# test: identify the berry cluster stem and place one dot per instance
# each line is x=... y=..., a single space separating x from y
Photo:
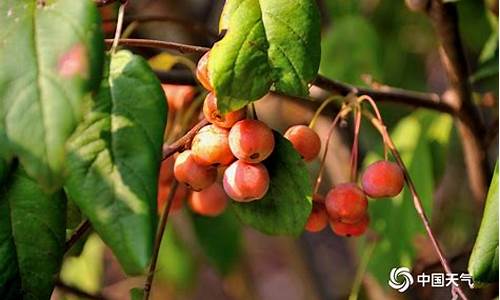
x=355 y=144
x=320 y=109
x=456 y=290
x=158 y=239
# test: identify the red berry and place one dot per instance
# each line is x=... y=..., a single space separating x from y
x=177 y=201
x=166 y=171
x=305 y=140
x=202 y=72
x=195 y=176
x=245 y=182
x=210 y=146
x=346 y=203
x=214 y=116
x=209 y=202
x=251 y=141
x=318 y=219
x=349 y=230
x=382 y=179
x=178 y=96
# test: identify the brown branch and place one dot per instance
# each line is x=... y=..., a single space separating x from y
x=189 y=25
x=444 y=17
x=389 y=94
x=184 y=141
x=100 y=3
x=416 y=198
x=77 y=292
x=77 y=234
x=182 y=48
x=158 y=239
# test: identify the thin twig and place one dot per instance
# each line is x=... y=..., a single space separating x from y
x=389 y=94
x=188 y=24
x=77 y=292
x=416 y=198
x=184 y=141
x=77 y=234
x=148 y=43
x=158 y=239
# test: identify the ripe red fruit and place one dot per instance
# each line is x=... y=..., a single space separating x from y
x=346 y=203
x=166 y=171
x=251 y=141
x=245 y=182
x=177 y=201
x=382 y=179
x=349 y=230
x=210 y=146
x=202 y=72
x=178 y=96
x=195 y=176
x=214 y=116
x=209 y=202
x=305 y=140
x=318 y=219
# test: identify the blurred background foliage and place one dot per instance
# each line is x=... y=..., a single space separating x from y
x=365 y=42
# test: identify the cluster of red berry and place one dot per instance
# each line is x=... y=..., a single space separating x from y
x=345 y=206
x=231 y=147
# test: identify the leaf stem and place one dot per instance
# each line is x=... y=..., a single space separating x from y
x=119 y=25
x=416 y=198
x=77 y=234
x=158 y=239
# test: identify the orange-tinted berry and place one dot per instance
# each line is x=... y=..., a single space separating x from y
x=346 y=203
x=177 y=201
x=318 y=219
x=166 y=171
x=349 y=230
x=195 y=176
x=382 y=179
x=210 y=146
x=178 y=96
x=209 y=202
x=251 y=141
x=245 y=182
x=214 y=116
x=305 y=140
x=202 y=72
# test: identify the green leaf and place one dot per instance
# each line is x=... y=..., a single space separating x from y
x=114 y=159
x=350 y=49
x=50 y=57
x=396 y=246
x=220 y=239
x=483 y=262
x=86 y=271
x=5 y=157
x=288 y=202
x=32 y=236
x=266 y=42
x=175 y=262
x=136 y=293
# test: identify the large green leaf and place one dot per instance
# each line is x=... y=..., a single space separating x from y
x=32 y=235
x=5 y=158
x=220 y=239
x=288 y=202
x=483 y=262
x=114 y=159
x=50 y=57
x=266 y=42
x=396 y=246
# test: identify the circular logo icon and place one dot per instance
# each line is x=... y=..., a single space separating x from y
x=400 y=279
